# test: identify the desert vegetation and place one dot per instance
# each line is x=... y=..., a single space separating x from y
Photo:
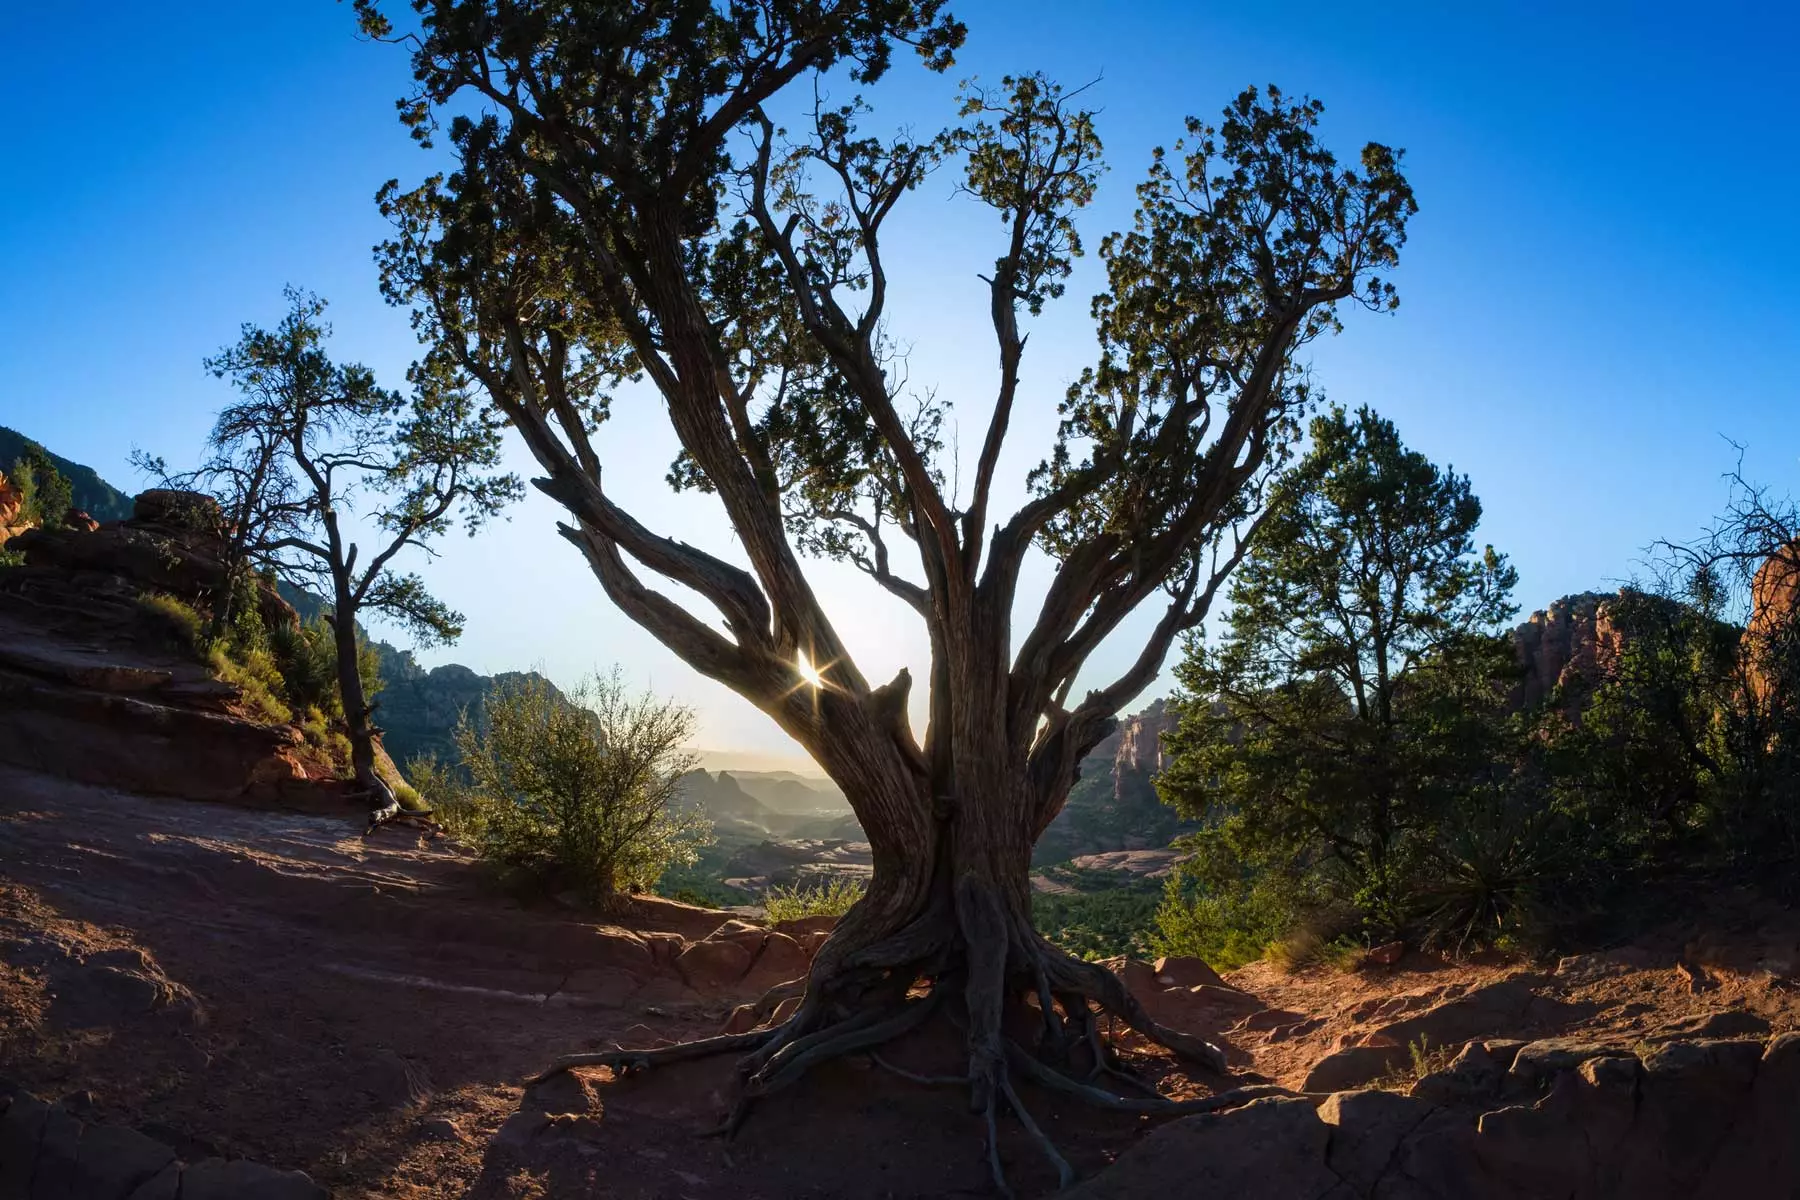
x=572 y=793
x=1366 y=764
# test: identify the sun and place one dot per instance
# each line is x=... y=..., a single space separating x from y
x=808 y=673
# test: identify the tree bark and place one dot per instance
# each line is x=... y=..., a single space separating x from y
x=357 y=726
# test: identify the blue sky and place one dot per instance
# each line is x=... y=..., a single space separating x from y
x=1595 y=296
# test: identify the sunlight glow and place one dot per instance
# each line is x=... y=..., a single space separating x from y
x=807 y=672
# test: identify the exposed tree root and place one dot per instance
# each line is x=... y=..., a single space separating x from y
x=854 y=1005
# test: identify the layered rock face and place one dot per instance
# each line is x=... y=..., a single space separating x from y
x=94 y=685
x=1570 y=644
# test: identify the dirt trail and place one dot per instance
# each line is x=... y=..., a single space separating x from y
x=266 y=984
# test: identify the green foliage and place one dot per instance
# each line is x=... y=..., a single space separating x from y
x=11 y=558
x=575 y=793
x=1107 y=914
x=833 y=898
x=46 y=493
x=1355 y=707
x=90 y=493
x=184 y=627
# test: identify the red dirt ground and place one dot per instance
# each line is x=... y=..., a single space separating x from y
x=368 y=1012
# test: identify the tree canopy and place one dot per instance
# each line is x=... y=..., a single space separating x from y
x=629 y=209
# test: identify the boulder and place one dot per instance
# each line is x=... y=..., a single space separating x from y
x=1538 y=1062
x=1726 y=1023
x=1386 y=954
x=565 y=1092
x=781 y=959
x=1180 y=971
x=711 y=965
x=115 y=1161
x=1354 y=1066
x=164 y=1185
x=801 y=927
x=1473 y=1077
x=21 y=1131
x=239 y=1179
x=1366 y=1129
x=175 y=509
x=1688 y=1103
x=1762 y=1155
x=1268 y=1150
x=79 y=521
x=1491 y=1009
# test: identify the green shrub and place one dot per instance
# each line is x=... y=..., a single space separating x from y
x=11 y=558
x=833 y=898
x=45 y=492
x=257 y=680
x=582 y=792
x=184 y=627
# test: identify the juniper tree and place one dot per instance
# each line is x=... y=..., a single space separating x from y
x=624 y=206
x=318 y=450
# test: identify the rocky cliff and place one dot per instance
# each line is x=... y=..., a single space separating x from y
x=96 y=685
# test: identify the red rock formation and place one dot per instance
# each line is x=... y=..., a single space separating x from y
x=11 y=501
x=1571 y=644
x=1140 y=741
x=1774 y=602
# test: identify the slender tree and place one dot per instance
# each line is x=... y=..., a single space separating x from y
x=625 y=207
x=322 y=450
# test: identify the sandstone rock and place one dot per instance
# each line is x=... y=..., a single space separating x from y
x=1726 y=1023
x=442 y=1129
x=1354 y=1067
x=1366 y=1129
x=1774 y=599
x=1762 y=1155
x=1185 y=972
x=1474 y=1076
x=1386 y=954
x=176 y=509
x=578 y=1126
x=784 y=1010
x=57 y=1155
x=1689 y=1099
x=79 y=521
x=11 y=501
x=801 y=927
x=711 y=965
x=1269 y=1019
x=781 y=959
x=1570 y=644
x=115 y=1161
x=1491 y=1009
x=1268 y=1150
x=600 y=987
x=517 y=1131
x=398 y=1082
x=1299 y=1029
x=238 y=1179
x=611 y=946
x=562 y=1093
x=164 y=1185
x=742 y=1020
x=1538 y=1062
x=1588 y=968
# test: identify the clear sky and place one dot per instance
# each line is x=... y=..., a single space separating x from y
x=1596 y=295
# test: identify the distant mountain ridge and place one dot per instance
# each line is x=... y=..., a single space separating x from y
x=91 y=494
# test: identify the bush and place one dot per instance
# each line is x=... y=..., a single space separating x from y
x=45 y=492
x=833 y=898
x=184 y=627
x=578 y=793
